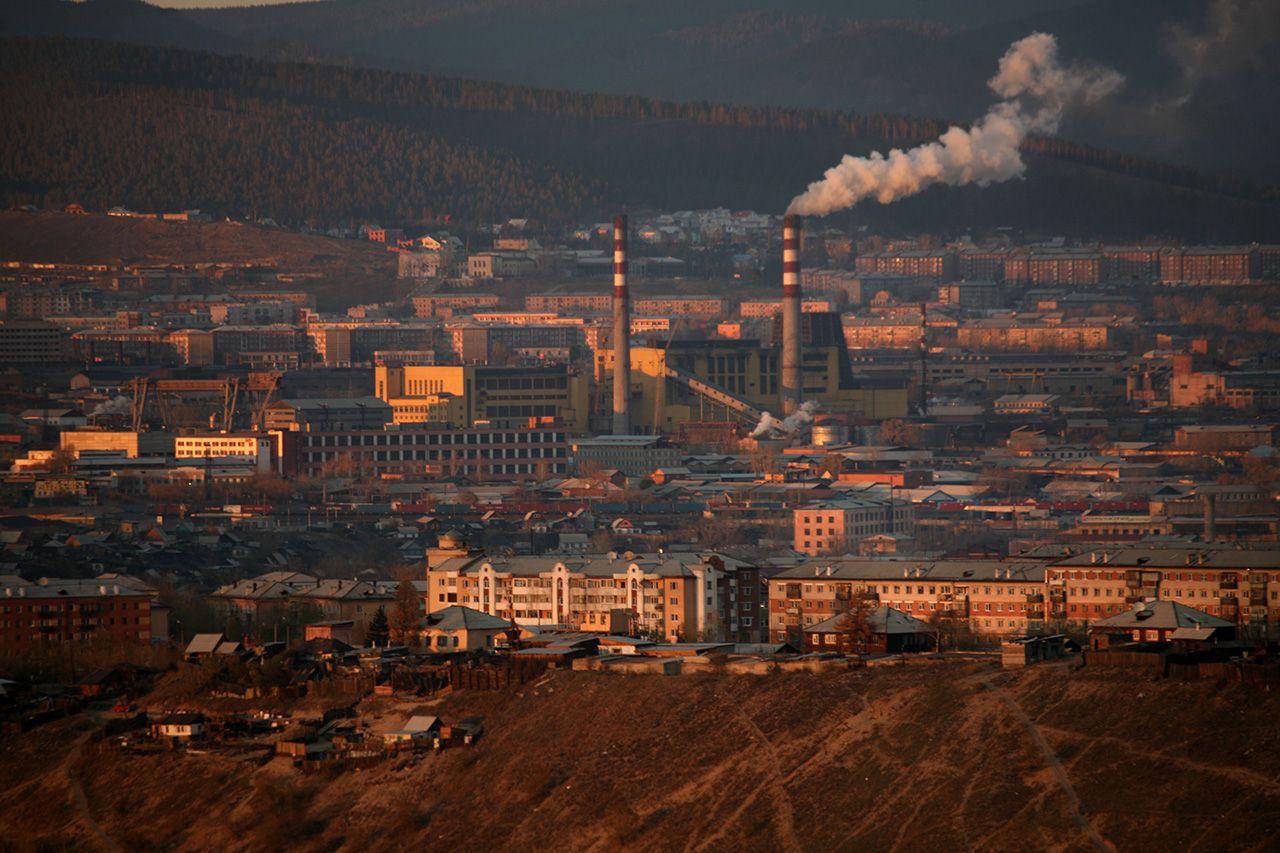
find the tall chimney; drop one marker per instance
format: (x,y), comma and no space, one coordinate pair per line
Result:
(621,331)
(1210,517)
(791,374)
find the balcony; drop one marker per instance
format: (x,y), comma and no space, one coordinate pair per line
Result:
(1227,599)
(1257,599)
(1134,599)
(1035,597)
(1035,612)
(1228,583)
(1058,613)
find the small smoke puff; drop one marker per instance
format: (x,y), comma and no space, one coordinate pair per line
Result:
(1030,67)
(796,422)
(1237,34)
(985,153)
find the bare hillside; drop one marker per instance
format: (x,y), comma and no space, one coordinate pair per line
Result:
(945,757)
(98,239)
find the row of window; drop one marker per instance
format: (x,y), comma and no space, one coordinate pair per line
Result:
(392,439)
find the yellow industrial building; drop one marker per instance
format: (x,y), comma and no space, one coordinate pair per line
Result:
(701,380)
(462,395)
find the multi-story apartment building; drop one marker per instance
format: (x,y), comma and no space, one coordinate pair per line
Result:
(1060,267)
(37,303)
(500,264)
(1016,334)
(53,612)
(1210,265)
(981,264)
(538,451)
(896,332)
(344,343)
(757,308)
(836,527)
(1131,263)
(976,294)
(447,304)
(569,303)
(122,346)
(915,264)
(991,596)
(1239,584)
(31,342)
(703,307)
(674,596)
(277,344)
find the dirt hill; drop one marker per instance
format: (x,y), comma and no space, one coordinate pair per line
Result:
(97,238)
(942,757)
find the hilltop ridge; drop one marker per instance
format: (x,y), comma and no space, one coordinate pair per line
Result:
(945,756)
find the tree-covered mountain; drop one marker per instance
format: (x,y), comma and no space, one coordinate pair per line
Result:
(154,128)
(1199,72)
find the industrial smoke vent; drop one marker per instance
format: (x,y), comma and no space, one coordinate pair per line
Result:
(792,374)
(621,331)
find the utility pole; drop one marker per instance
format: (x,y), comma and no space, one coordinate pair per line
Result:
(924,358)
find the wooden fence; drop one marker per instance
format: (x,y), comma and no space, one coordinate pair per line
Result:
(1186,668)
(511,673)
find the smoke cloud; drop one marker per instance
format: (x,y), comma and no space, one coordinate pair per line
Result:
(1237,33)
(1036,89)
(794,423)
(121,405)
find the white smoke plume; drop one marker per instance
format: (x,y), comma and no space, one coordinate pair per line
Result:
(1237,35)
(1036,87)
(794,423)
(121,405)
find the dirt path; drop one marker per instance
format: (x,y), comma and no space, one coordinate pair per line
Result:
(77,793)
(785,823)
(1052,761)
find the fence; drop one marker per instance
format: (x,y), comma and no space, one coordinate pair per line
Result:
(1186,667)
(512,673)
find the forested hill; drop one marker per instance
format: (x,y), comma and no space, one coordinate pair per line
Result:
(156,128)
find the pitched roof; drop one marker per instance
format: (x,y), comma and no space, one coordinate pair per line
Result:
(1162,616)
(456,617)
(882,620)
(204,644)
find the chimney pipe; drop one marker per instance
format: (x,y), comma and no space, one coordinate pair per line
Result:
(792,375)
(1210,517)
(621,331)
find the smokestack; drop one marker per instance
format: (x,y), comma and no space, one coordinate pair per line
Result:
(791,373)
(1210,518)
(621,331)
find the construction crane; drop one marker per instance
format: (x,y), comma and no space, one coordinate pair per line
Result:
(230,393)
(138,388)
(268,385)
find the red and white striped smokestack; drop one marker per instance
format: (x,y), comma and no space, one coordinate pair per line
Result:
(792,370)
(621,331)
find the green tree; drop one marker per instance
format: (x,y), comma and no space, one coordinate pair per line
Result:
(379,633)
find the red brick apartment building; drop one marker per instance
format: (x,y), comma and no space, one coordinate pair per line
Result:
(994,597)
(1062,267)
(920,265)
(1210,265)
(56,612)
(1241,585)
